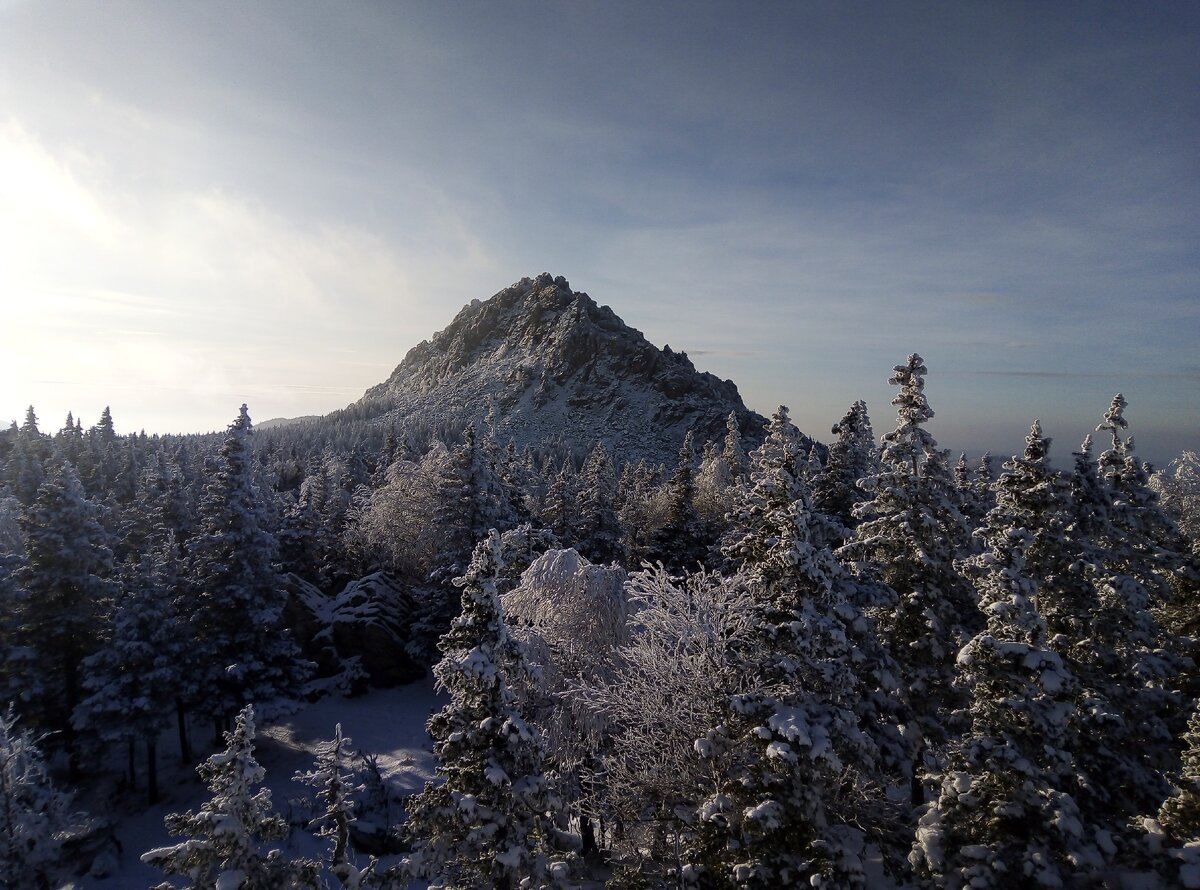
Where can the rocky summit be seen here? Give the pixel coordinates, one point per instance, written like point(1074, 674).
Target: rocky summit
point(547, 365)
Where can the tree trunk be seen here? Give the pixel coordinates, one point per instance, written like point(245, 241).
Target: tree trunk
point(131, 754)
point(917, 787)
point(151, 770)
point(185, 749)
point(587, 831)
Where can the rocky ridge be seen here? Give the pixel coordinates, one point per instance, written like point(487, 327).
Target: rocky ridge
point(544, 364)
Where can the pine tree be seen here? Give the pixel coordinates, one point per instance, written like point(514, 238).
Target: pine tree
point(491, 821)
point(823, 716)
point(597, 529)
point(33, 813)
point(335, 788)
point(909, 535)
point(1002, 818)
point(223, 850)
point(852, 456)
point(136, 675)
point(66, 595)
point(679, 542)
point(242, 650)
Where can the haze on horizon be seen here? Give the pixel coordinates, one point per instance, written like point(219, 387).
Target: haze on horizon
point(208, 203)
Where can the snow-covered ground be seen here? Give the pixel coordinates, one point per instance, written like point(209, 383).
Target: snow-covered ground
point(389, 724)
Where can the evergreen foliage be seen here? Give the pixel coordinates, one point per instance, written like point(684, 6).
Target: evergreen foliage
point(65, 596)
point(491, 822)
point(1001, 817)
point(852, 456)
point(909, 534)
point(335, 787)
point(819, 722)
point(225, 838)
point(242, 653)
point(135, 676)
point(34, 814)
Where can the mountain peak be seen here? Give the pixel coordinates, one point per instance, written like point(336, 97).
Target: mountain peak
point(558, 367)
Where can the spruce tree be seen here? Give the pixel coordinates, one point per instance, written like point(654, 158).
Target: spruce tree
point(852, 456)
point(679, 542)
point(1128, 663)
point(241, 647)
point(791, 759)
point(335, 787)
point(472, 500)
point(909, 534)
point(225, 838)
point(66, 595)
point(33, 813)
point(1179, 816)
point(733, 452)
point(491, 821)
point(597, 529)
point(1001, 817)
point(135, 676)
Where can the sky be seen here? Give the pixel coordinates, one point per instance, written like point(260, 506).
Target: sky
point(210, 203)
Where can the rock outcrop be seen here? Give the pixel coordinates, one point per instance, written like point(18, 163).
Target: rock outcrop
point(545, 364)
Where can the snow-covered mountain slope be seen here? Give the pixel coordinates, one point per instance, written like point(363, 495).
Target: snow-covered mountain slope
point(550, 365)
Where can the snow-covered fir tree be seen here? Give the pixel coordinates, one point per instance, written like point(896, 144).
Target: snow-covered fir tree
point(472, 500)
point(792, 755)
point(335, 787)
point(242, 651)
point(1143, 545)
point(733, 452)
point(679, 542)
point(34, 814)
point(852, 456)
point(66, 593)
point(135, 676)
point(225, 838)
point(14, 657)
point(909, 534)
point(1001, 817)
point(639, 511)
point(1128, 663)
point(1175, 834)
point(597, 529)
point(492, 820)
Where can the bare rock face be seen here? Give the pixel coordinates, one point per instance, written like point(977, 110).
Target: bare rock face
point(549, 365)
point(368, 623)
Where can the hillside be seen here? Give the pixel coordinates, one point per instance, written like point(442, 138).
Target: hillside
point(546, 364)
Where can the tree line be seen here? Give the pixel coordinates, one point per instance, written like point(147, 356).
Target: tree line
point(753, 665)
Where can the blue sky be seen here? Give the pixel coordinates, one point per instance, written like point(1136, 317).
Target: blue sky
point(209, 203)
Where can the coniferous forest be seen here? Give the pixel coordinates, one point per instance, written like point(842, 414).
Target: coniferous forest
point(772, 663)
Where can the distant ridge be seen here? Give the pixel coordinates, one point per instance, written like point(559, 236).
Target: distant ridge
point(276, 422)
point(544, 364)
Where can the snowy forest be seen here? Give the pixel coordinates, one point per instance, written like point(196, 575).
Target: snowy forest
point(775, 663)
